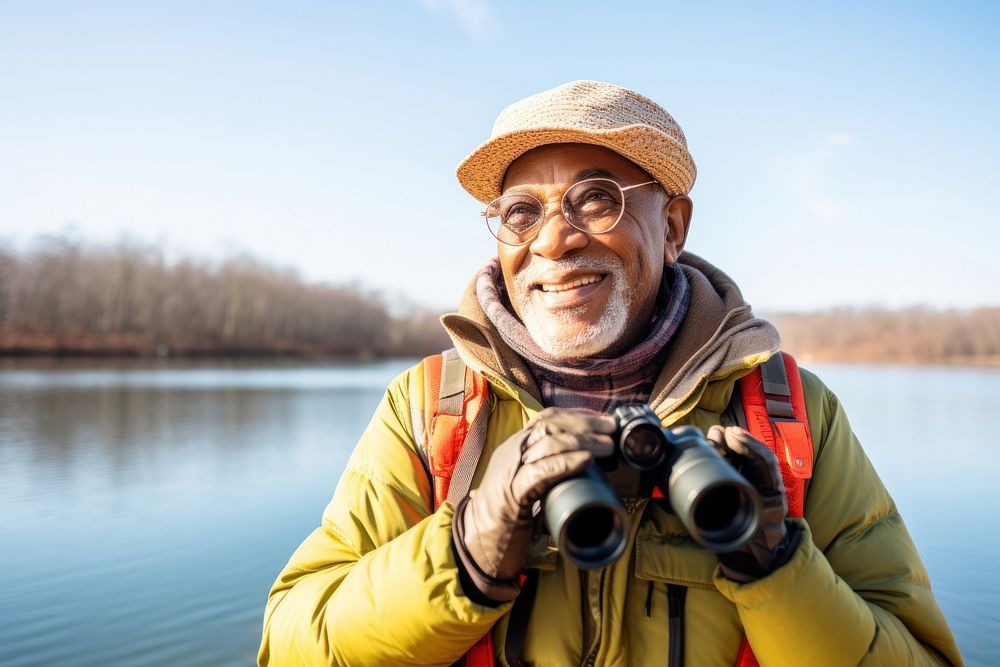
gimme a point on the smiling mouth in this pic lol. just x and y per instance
(555, 288)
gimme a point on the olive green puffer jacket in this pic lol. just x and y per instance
(377, 583)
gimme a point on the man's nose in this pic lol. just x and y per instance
(556, 236)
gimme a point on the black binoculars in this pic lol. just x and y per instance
(585, 515)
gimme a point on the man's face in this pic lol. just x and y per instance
(582, 294)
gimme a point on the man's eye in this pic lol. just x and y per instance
(596, 194)
(592, 200)
(520, 217)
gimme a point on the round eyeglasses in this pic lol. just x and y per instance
(593, 205)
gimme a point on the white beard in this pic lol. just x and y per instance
(550, 328)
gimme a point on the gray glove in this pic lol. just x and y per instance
(492, 526)
(773, 544)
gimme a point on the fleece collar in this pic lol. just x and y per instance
(719, 339)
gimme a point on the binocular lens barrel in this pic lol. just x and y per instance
(587, 520)
(643, 446)
(715, 503)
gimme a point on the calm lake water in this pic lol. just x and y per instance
(146, 510)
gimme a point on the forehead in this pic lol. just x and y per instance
(562, 164)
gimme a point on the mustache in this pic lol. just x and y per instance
(539, 270)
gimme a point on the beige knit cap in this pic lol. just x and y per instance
(583, 112)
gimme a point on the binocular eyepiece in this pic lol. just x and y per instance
(719, 508)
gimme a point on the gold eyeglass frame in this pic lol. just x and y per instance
(537, 227)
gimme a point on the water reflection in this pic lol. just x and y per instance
(137, 436)
(145, 511)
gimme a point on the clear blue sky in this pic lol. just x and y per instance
(846, 156)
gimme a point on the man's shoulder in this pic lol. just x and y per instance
(812, 385)
(409, 379)
(827, 418)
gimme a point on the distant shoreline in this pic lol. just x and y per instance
(71, 354)
(959, 362)
(137, 347)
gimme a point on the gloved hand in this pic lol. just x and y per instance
(774, 543)
(492, 526)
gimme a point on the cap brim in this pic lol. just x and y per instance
(482, 172)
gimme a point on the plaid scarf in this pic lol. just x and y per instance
(590, 383)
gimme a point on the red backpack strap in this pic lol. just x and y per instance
(775, 409)
(746, 658)
(453, 435)
(453, 398)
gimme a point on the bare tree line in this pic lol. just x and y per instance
(913, 335)
(63, 297)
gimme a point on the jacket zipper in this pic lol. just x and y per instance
(675, 624)
(592, 623)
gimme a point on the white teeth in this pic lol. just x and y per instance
(571, 285)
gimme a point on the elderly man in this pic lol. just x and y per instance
(591, 304)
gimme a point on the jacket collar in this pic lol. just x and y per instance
(719, 338)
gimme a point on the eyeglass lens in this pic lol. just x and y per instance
(593, 205)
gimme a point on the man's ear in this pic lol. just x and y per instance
(677, 212)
